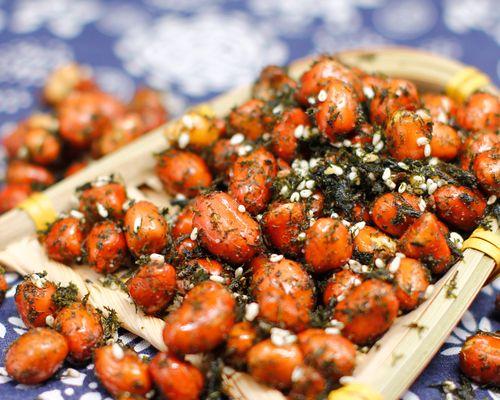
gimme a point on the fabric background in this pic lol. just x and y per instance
(195, 49)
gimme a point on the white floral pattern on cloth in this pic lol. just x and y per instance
(64, 18)
(194, 49)
(181, 51)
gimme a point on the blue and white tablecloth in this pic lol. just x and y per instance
(195, 49)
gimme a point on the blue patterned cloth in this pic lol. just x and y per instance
(195, 49)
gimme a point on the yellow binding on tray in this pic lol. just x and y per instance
(354, 391)
(465, 82)
(486, 242)
(39, 207)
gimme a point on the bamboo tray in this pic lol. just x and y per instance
(394, 362)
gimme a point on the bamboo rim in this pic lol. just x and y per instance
(386, 371)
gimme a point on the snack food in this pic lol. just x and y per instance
(336, 174)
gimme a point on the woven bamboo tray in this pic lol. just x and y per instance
(390, 367)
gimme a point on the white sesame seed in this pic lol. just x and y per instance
(390, 184)
(295, 197)
(428, 291)
(194, 234)
(352, 175)
(297, 374)
(322, 95)
(346, 223)
(237, 139)
(284, 190)
(340, 297)
(117, 351)
(394, 265)
(359, 152)
(241, 208)
(281, 337)
(266, 136)
(334, 215)
(357, 227)
(368, 92)
(457, 239)
(346, 380)
(422, 141)
(422, 205)
(310, 184)
(334, 170)
(491, 200)
(441, 182)
(301, 236)
(354, 265)
(427, 150)
(378, 147)
(433, 161)
(276, 257)
(332, 331)
(38, 281)
(371, 176)
(301, 185)
(313, 162)
(258, 217)
(183, 140)
(417, 179)
(335, 323)
(238, 272)
(299, 131)
(370, 157)
(155, 257)
(251, 311)
(311, 100)
(242, 151)
(76, 214)
(402, 187)
(400, 255)
(402, 165)
(449, 386)
(376, 138)
(387, 174)
(102, 210)
(49, 320)
(278, 109)
(137, 224)
(305, 193)
(432, 188)
(379, 263)
(217, 278)
(347, 143)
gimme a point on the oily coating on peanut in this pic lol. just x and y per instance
(146, 230)
(35, 301)
(176, 379)
(121, 371)
(284, 292)
(224, 230)
(36, 355)
(203, 320)
(81, 326)
(250, 180)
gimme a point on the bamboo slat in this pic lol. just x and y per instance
(390, 366)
